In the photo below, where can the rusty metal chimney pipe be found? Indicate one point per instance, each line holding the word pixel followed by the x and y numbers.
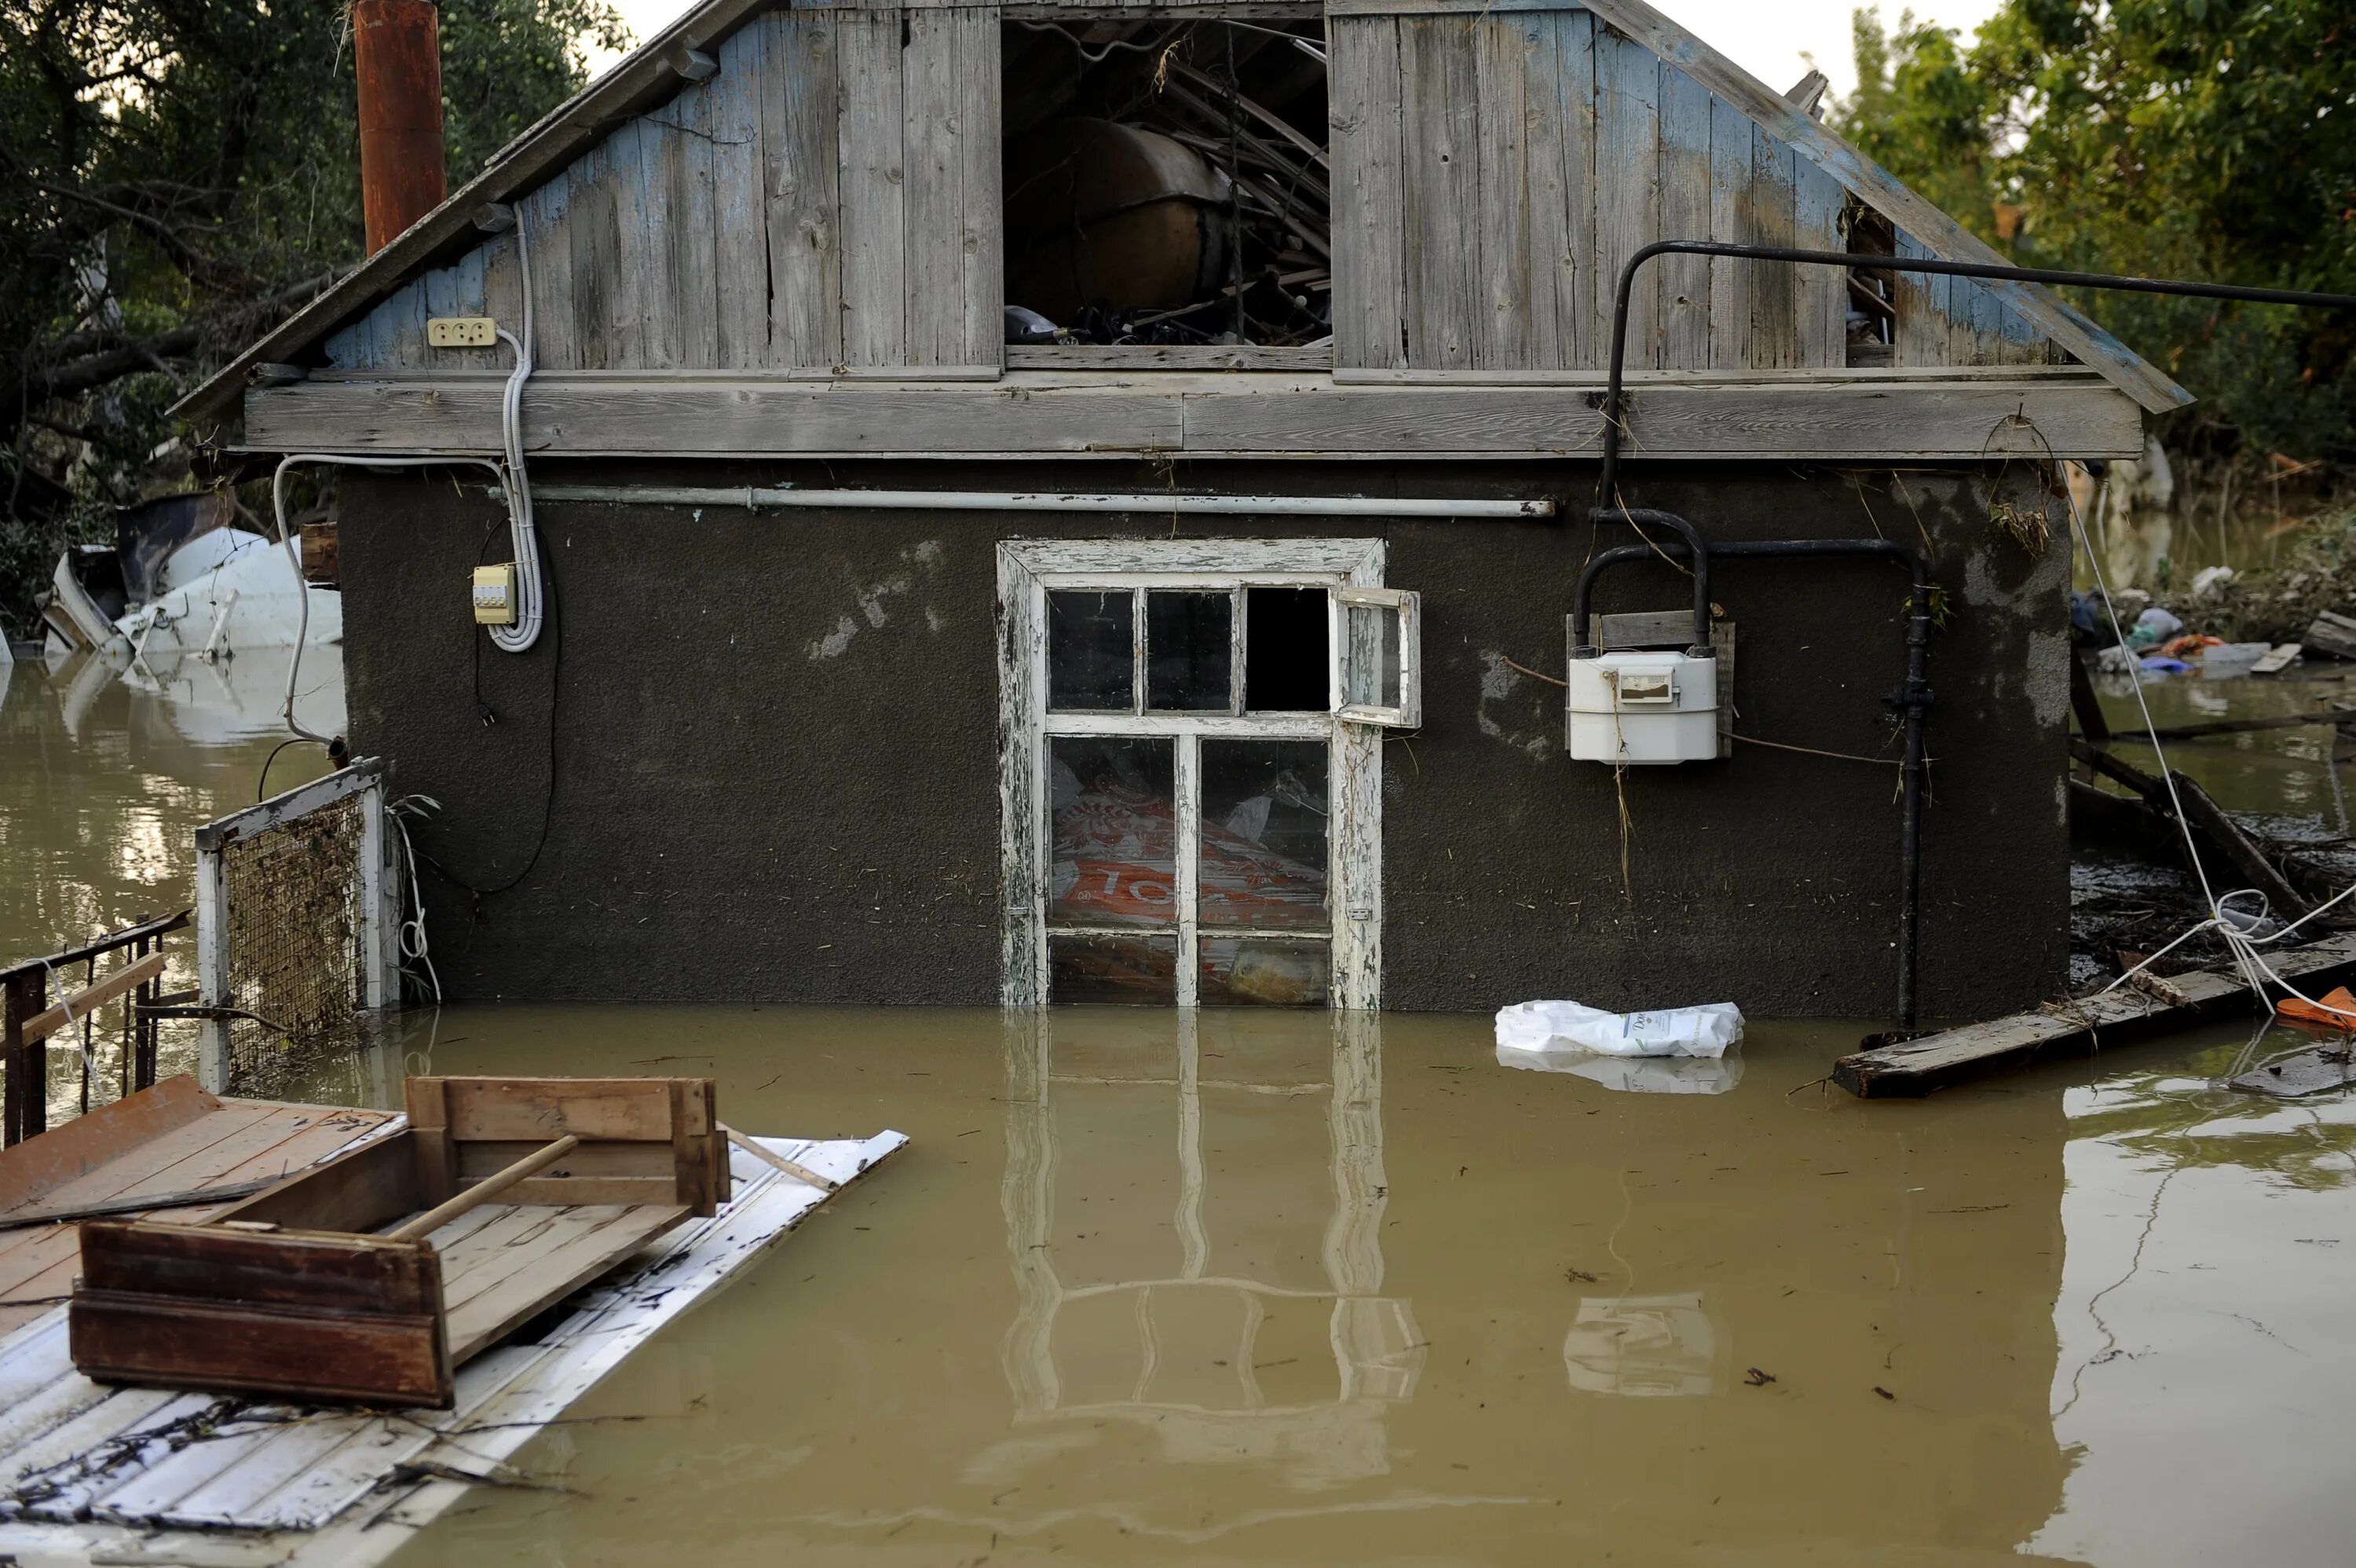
pixel 396 56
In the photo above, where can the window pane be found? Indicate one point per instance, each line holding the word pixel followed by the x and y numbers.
pixel 1091 651
pixel 1264 835
pixel 1141 970
pixel 1374 661
pixel 1189 651
pixel 1285 651
pixel 1115 857
pixel 1242 972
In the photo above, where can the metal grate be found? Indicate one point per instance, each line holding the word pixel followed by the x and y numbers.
pixel 296 967
pixel 293 932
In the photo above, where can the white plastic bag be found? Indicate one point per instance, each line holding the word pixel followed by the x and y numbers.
pixel 1563 1030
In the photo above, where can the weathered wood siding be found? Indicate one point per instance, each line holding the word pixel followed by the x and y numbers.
pixel 830 198
pixel 1494 171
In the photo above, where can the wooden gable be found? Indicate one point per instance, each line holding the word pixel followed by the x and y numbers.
pixel 828 198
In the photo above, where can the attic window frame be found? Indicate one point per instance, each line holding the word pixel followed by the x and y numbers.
pixel 1313 357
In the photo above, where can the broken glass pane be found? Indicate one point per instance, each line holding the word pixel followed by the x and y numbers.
pixel 1115 857
pixel 1141 970
pixel 1264 835
pixel 1374 661
pixel 1189 651
pixel 1091 651
pixel 1285 651
pixel 1243 972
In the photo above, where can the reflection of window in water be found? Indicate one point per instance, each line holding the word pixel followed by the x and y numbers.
pixel 1232 1306
pixel 1647 1346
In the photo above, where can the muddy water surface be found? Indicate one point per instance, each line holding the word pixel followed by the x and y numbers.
pixel 1282 1288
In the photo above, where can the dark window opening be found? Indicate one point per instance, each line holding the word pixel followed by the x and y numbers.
pixel 1091 651
pixel 1189 652
pixel 1872 295
pixel 1286 665
pixel 1166 182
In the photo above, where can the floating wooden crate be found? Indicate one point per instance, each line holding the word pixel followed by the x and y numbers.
pixel 290 1293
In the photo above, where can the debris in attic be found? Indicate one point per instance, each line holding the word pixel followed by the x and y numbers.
pixel 1166 183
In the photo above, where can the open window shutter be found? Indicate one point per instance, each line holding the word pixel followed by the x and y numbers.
pixel 1376 644
pixel 923 273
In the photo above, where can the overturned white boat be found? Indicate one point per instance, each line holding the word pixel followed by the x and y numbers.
pixel 180 579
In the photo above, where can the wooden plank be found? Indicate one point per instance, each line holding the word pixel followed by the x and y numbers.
pixel 1503 336
pixel 552 1273
pixel 975 55
pixel 684 230
pixel 502 291
pixel 1440 160
pixel 1920 336
pixel 1814 418
pixel 546 1108
pixel 1731 220
pixel 1369 199
pixel 428 1103
pixel 1820 294
pixel 31 1169
pixel 144 1169
pixel 936 197
pixel 2124 1016
pixel 1558 97
pixel 739 196
pixel 593 229
pixel 82 1003
pixel 2227 726
pixel 356 1191
pixel 1774 319
pixel 546 218
pixel 145 1203
pixel 328 1271
pixel 802 113
pixel 636 287
pixel 92 1424
pixel 873 184
pixel 176 1342
pixel 1627 189
pixel 1193 356
pixel 1685 129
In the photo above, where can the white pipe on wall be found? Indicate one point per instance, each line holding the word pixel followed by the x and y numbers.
pixel 1152 503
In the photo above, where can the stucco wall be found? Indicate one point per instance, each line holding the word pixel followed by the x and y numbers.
pixel 776 772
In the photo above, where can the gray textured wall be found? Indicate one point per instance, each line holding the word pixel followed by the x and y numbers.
pixel 776 771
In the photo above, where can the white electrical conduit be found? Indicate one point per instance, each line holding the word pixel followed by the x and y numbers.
pixel 514 484
pixel 1153 504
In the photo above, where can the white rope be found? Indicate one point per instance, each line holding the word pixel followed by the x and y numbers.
pixel 2239 939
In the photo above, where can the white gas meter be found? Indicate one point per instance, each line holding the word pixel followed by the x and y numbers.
pixel 1644 706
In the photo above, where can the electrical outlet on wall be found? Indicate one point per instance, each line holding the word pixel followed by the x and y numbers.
pixel 460 332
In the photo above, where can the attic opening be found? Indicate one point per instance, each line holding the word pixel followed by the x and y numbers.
pixel 1168 191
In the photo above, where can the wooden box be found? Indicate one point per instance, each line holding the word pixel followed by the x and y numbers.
pixel 289 1293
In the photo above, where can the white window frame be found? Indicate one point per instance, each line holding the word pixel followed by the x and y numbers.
pixel 1027 571
pixel 1346 653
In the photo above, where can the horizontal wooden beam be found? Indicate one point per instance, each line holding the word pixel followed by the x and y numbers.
pixel 81 1005
pixel 1035 414
pixel 2123 1017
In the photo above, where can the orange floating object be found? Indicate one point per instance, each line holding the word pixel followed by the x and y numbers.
pixel 2338 1009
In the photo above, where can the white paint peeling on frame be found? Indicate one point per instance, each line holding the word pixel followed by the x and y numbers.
pixel 1026 570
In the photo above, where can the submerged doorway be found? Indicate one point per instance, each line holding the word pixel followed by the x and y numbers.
pixel 1190 768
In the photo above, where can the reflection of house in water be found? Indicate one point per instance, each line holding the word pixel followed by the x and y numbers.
pixel 1194 1206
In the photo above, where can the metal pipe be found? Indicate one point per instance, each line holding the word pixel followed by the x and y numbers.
pixel 1583 648
pixel 1153 504
pixel 397 61
pixel 1615 412
pixel 1912 699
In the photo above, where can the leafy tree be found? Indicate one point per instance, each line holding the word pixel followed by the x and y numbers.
pixel 175 174
pixel 2209 139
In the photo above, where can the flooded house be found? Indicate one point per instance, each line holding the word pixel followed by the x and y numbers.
pixel 1050 502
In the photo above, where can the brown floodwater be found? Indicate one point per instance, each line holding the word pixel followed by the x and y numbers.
pixel 1292 1288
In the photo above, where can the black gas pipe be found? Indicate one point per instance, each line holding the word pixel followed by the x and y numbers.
pixel 1912 697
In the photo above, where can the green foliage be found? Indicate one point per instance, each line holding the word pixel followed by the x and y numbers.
pixel 2209 139
pixel 174 175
